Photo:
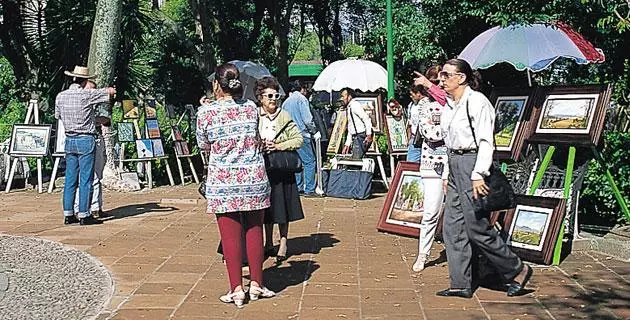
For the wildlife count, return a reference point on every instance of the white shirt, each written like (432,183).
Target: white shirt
(414,115)
(268,125)
(363,122)
(458,135)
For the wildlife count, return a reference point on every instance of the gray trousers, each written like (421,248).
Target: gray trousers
(463,229)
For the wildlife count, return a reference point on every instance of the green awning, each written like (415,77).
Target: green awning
(305,70)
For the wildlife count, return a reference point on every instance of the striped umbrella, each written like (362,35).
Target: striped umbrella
(530,47)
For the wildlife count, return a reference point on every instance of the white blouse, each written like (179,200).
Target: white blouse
(268,125)
(458,135)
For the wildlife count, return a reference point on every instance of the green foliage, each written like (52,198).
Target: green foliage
(11,109)
(597,203)
(353,50)
(308,49)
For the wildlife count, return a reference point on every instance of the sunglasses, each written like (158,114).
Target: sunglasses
(446,74)
(272,96)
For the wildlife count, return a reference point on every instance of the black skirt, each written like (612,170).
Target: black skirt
(285,199)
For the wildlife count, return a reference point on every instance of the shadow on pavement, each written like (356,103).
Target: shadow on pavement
(310,244)
(291,273)
(138,209)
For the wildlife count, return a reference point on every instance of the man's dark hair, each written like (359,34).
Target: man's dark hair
(349,92)
(296,85)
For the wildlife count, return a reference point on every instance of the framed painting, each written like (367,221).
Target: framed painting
(144,148)
(403,208)
(130,109)
(337,135)
(150,109)
(181,148)
(60,139)
(572,115)
(531,229)
(153,129)
(512,108)
(177,134)
(372,105)
(397,139)
(30,140)
(158,148)
(125,132)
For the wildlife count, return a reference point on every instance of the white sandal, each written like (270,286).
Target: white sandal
(258,292)
(238,298)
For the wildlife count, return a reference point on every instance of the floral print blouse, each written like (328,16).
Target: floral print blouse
(236,181)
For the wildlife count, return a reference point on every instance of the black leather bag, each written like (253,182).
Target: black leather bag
(283,161)
(501,194)
(418,138)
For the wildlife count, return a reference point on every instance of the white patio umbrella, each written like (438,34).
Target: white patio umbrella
(249,73)
(354,74)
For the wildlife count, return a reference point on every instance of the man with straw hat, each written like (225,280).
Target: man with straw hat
(74,107)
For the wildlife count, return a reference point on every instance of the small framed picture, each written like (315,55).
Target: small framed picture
(150,109)
(397,139)
(158,148)
(403,209)
(571,115)
(372,105)
(30,140)
(60,139)
(512,108)
(125,132)
(130,109)
(336,141)
(144,148)
(181,148)
(153,129)
(531,229)
(177,134)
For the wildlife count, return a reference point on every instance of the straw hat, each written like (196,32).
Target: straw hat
(80,72)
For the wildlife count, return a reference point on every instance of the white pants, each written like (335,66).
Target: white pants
(99,166)
(433,197)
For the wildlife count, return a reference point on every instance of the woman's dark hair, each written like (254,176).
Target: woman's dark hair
(433,73)
(419,89)
(473,78)
(266,83)
(227,75)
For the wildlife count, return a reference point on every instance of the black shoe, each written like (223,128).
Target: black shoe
(269,252)
(515,288)
(70,220)
(462,293)
(89,220)
(280,259)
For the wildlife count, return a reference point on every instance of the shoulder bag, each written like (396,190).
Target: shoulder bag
(287,161)
(501,194)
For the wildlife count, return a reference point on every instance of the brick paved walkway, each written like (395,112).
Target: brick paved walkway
(162,257)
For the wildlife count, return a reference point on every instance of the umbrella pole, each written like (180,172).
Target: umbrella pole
(529,78)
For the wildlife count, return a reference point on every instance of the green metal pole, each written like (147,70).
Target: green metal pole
(557,251)
(390,51)
(613,186)
(541,171)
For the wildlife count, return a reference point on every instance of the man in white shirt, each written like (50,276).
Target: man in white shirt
(359,136)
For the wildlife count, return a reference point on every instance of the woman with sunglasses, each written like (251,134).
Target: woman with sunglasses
(432,162)
(236,182)
(279,133)
(470,157)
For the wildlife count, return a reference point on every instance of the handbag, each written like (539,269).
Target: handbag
(501,194)
(202,188)
(418,138)
(283,161)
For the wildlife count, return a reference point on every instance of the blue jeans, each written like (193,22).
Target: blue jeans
(413,154)
(79,171)
(309,164)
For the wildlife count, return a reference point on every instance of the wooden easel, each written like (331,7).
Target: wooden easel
(188,157)
(381,166)
(392,161)
(567,188)
(32,112)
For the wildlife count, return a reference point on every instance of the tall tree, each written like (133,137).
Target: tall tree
(279,21)
(325,18)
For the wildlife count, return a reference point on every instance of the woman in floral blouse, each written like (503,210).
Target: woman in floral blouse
(432,164)
(236,183)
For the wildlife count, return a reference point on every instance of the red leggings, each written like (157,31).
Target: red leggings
(231,238)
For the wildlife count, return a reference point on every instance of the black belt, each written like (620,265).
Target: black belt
(73,134)
(461,152)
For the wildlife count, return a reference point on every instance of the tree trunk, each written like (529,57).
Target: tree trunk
(202,10)
(102,61)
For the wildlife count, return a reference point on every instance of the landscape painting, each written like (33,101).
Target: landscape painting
(569,113)
(397,134)
(509,111)
(338,131)
(529,227)
(372,106)
(30,140)
(153,129)
(408,204)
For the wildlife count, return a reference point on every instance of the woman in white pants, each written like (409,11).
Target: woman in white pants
(432,169)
